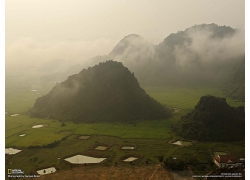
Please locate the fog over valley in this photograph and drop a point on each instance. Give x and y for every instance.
(125, 89)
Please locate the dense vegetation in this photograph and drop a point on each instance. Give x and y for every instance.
(105, 92)
(213, 120)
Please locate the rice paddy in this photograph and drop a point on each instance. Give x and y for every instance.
(128, 147)
(81, 159)
(12, 151)
(130, 159)
(46, 171)
(148, 138)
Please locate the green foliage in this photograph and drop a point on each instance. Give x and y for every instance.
(212, 120)
(106, 92)
(174, 164)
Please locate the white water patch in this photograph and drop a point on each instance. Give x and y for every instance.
(130, 159)
(22, 135)
(34, 90)
(176, 109)
(182, 143)
(101, 148)
(46, 171)
(128, 147)
(81, 159)
(12, 151)
(177, 143)
(37, 126)
(84, 137)
(14, 115)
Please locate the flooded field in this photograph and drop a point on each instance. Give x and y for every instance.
(84, 137)
(38, 126)
(182, 143)
(101, 148)
(81, 159)
(11, 151)
(128, 147)
(176, 109)
(46, 171)
(130, 159)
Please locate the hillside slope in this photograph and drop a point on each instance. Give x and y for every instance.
(213, 120)
(103, 93)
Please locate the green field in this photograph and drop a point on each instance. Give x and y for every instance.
(150, 137)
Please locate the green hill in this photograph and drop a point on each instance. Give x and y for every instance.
(107, 92)
(212, 120)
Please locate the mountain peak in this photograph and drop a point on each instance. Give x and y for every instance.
(107, 92)
(212, 120)
(130, 43)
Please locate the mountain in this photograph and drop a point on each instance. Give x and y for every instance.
(212, 120)
(201, 54)
(107, 92)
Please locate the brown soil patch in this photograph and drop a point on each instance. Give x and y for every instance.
(152, 172)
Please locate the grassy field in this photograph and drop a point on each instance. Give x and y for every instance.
(185, 97)
(150, 137)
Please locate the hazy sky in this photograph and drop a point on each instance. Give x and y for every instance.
(61, 20)
(76, 30)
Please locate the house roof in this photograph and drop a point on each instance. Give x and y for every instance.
(226, 159)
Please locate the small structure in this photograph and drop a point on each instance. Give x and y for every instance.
(226, 160)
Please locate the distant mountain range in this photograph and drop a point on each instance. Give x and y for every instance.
(201, 54)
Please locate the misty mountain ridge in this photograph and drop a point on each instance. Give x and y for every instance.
(212, 120)
(107, 92)
(201, 54)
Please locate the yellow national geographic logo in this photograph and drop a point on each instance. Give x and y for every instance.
(9, 171)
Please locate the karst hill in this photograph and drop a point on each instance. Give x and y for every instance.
(213, 120)
(107, 92)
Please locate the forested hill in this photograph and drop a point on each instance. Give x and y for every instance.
(107, 92)
(213, 120)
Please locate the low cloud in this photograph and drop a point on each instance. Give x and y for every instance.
(26, 54)
(206, 51)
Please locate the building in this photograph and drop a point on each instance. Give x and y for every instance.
(226, 160)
